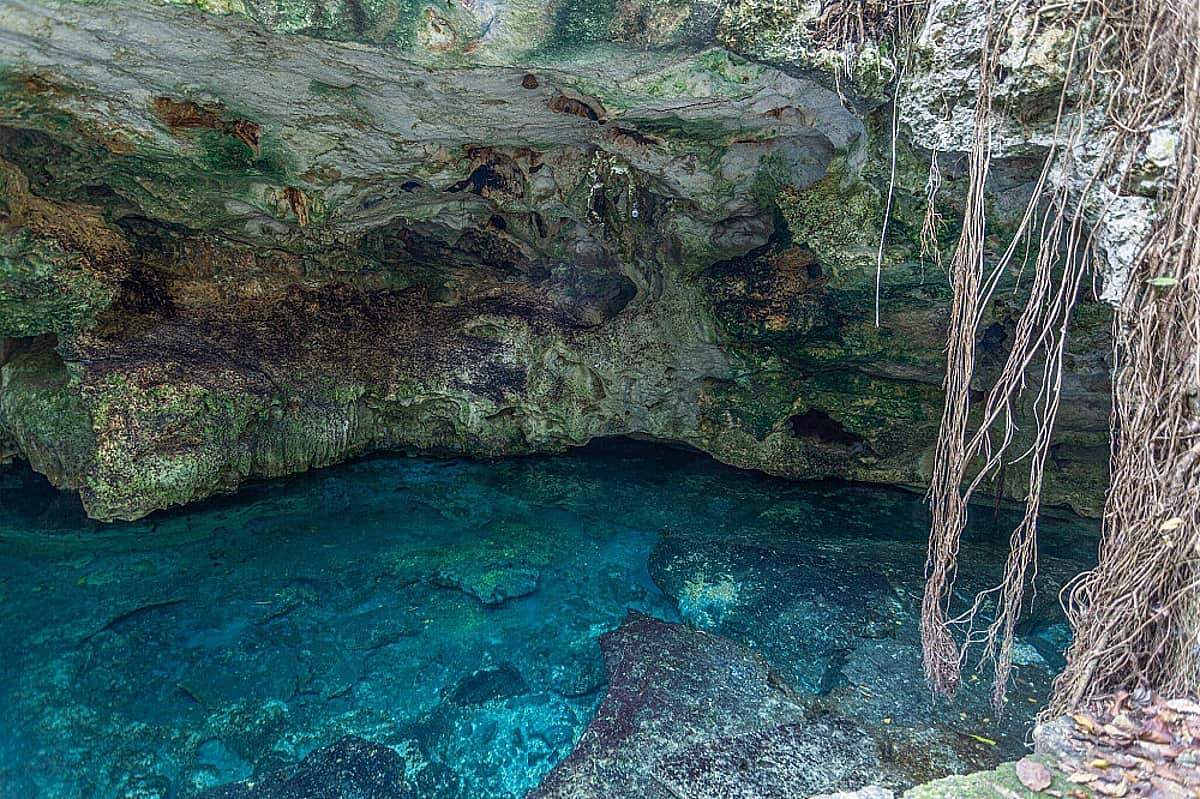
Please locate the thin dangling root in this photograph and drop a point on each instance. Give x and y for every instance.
(1136, 617)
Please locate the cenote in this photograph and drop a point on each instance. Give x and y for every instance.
(451, 611)
(599, 399)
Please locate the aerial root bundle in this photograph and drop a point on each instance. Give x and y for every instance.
(1137, 616)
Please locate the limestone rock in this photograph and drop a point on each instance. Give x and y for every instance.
(249, 238)
(691, 714)
(490, 583)
(349, 767)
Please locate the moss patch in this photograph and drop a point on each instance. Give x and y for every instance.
(163, 444)
(1000, 783)
(44, 289)
(43, 412)
(837, 219)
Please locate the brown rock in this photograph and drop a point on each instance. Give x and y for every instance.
(1032, 774)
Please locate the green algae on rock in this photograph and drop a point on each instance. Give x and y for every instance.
(999, 783)
(287, 234)
(44, 414)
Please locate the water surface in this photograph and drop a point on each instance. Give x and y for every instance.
(451, 610)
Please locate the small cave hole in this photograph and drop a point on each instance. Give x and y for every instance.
(817, 425)
(144, 290)
(993, 336)
(45, 343)
(482, 179)
(562, 104)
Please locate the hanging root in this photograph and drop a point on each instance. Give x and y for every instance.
(1059, 241)
(846, 25)
(942, 658)
(931, 225)
(1136, 616)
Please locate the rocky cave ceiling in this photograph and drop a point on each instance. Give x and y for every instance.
(242, 240)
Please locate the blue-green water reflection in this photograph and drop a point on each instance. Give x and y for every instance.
(451, 609)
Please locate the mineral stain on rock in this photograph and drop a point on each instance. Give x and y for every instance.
(260, 241)
(183, 114)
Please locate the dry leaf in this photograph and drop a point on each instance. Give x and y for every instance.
(1156, 731)
(1158, 752)
(1110, 788)
(1123, 759)
(1184, 705)
(1123, 723)
(1166, 789)
(1033, 775)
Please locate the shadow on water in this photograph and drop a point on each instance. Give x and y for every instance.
(451, 610)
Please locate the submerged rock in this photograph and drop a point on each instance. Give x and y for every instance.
(228, 640)
(486, 685)
(352, 768)
(492, 584)
(838, 621)
(691, 714)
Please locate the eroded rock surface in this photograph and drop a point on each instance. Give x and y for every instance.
(247, 239)
(350, 768)
(692, 714)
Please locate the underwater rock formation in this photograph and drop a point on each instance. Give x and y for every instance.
(351, 767)
(228, 640)
(243, 239)
(687, 712)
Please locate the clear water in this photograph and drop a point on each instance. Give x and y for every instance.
(228, 639)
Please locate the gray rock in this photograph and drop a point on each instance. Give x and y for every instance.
(351, 768)
(870, 792)
(486, 685)
(691, 714)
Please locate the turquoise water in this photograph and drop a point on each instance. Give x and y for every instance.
(451, 610)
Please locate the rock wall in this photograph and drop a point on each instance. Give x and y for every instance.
(243, 239)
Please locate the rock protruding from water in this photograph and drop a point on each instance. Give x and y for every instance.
(351, 767)
(691, 714)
